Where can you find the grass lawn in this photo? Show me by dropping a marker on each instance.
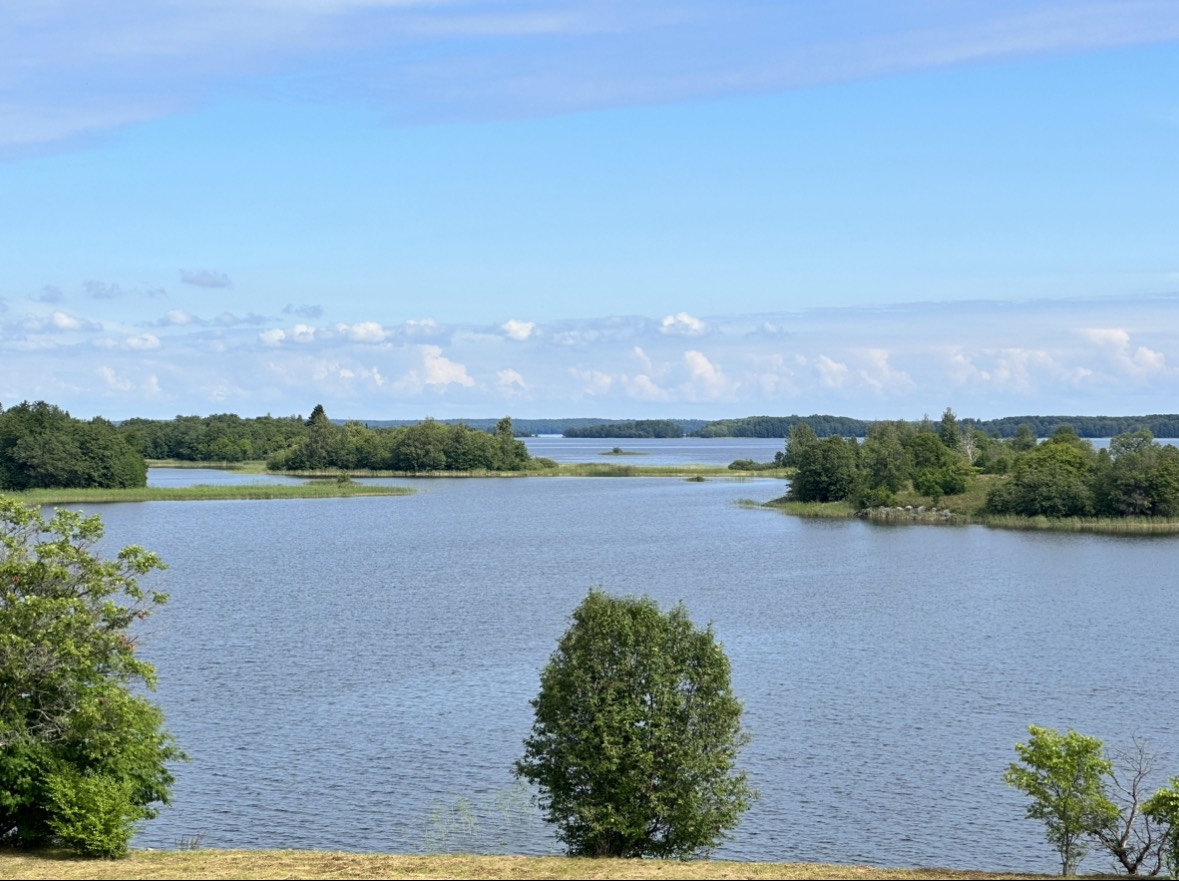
(267, 864)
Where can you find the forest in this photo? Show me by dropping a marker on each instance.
(1061, 476)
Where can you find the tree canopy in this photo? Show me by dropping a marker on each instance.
(83, 754)
(42, 446)
(636, 734)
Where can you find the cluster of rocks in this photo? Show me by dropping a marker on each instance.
(908, 512)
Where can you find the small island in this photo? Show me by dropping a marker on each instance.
(947, 474)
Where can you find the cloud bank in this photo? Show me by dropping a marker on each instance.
(73, 69)
(985, 359)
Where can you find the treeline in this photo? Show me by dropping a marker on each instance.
(223, 437)
(1063, 476)
(630, 428)
(1159, 425)
(427, 446)
(42, 446)
(781, 426)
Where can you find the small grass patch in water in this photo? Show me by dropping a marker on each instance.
(204, 492)
(816, 510)
(619, 451)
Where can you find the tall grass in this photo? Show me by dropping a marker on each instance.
(204, 492)
(1105, 525)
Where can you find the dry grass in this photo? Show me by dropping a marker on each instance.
(269, 864)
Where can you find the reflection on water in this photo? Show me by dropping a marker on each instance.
(343, 670)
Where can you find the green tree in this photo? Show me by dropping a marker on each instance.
(801, 436)
(83, 754)
(1163, 809)
(827, 471)
(1063, 775)
(43, 446)
(1052, 480)
(636, 734)
(949, 431)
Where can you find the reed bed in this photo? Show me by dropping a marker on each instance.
(205, 492)
(1103, 525)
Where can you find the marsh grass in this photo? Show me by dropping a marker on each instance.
(204, 492)
(816, 510)
(1103, 525)
(275, 864)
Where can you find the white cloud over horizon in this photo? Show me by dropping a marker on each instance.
(984, 359)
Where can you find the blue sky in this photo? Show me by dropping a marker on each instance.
(409, 208)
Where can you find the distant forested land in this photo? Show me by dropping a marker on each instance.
(522, 427)
(780, 426)
(630, 428)
(1159, 425)
(229, 438)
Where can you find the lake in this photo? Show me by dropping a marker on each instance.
(355, 674)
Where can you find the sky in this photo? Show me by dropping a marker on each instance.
(692, 209)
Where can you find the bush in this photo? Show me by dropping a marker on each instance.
(636, 734)
(93, 814)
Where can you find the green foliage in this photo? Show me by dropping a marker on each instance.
(800, 438)
(425, 447)
(782, 426)
(827, 471)
(636, 734)
(42, 446)
(631, 428)
(1139, 478)
(1063, 775)
(93, 814)
(71, 702)
(1163, 809)
(1053, 480)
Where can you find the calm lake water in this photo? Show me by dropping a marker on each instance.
(355, 674)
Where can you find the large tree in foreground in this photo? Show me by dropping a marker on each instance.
(83, 754)
(636, 734)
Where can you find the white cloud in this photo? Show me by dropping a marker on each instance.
(1116, 344)
(272, 337)
(642, 358)
(62, 321)
(427, 327)
(707, 381)
(682, 324)
(85, 68)
(362, 332)
(518, 330)
(303, 333)
(833, 374)
(441, 371)
(179, 318)
(507, 378)
(882, 378)
(114, 381)
(645, 389)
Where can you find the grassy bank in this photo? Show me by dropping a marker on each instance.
(223, 864)
(951, 512)
(312, 490)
